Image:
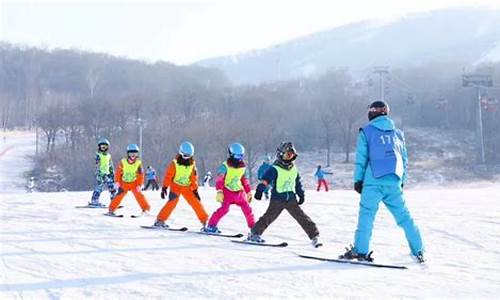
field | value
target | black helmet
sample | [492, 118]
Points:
[377, 108]
[286, 153]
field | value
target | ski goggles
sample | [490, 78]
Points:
[132, 153]
[238, 156]
[186, 156]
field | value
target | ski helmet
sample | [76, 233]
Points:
[186, 149]
[286, 152]
[377, 108]
[103, 141]
[236, 151]
[132, 148]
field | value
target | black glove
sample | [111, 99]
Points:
[163, 192]
[197, 195]
[301, 200]
[358, 186]
[258, 191]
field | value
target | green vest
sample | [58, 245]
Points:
[183, 174]
[232, 181]
[130, 170]
[285, 182]
[104, 163]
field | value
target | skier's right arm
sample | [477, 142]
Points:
[219, 180]
[361, 157]
[169, 175]
[269, 176]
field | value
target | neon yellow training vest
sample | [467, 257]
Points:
[130, 170]
[286, 179]
[232, 181]
[183, 174]
[104, 163]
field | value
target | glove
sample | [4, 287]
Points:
[138, 188]
[197, 195]
[249, 197]
[220, 196]
[301, 200]
[358, 186]
[163, 192]
[258, 192]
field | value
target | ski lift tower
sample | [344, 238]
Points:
[479, 82]
[382, 71]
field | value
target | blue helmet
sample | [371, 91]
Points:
[186, 149]
[132, 148]
[102, 141]
[236, 150]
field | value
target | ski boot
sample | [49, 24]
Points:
[316, 242]
[420, 257]
[252, 237]
[160, 224]
[352, 254]
[211, 229]
[110, 214]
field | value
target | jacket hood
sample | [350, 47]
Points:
[383, 123]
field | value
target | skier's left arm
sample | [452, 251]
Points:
[299, 190]
[404, 155]
[194, 179]
[245, 183]
[140, 176]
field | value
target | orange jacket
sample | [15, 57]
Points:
[168, 179]
[138, 181]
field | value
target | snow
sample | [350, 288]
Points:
[50, 249]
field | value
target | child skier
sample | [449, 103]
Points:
[206, 179]
[182, 179]
[151, 179]
[104, 173]
[130, 177]
[320, 175]
[380, 173]
[286, 184]
[266, 164]
[232, 188]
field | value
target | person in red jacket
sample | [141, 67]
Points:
[129, 177]
[182, 179]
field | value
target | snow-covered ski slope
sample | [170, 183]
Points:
[51, 250]
[16, 147]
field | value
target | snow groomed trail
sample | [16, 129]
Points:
[51, 250]
[16, 147]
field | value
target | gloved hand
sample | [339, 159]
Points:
[249, 197]
[301, 200]
[138, 188]
[220, 196]
[358, 186]
[163, 192]
[116, 186]
[259, 190]
[197, 195]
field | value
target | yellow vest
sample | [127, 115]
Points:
[183, 174]
[130, 170]
[104, 162]
[285, 182]
[232, 181]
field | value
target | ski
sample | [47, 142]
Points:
[279, 245]
[113, 215]
[353, 262]
[135, 216]
[95, 206]
[237, 235]
[168, 228]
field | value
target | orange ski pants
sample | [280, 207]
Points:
[173, 198]
[122, 191]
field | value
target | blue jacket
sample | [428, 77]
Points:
[151, 175]
[320, 174]
[262, 170]
[362, 169]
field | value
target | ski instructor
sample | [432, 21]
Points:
[379, 175]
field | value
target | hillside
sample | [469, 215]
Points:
[466, 35]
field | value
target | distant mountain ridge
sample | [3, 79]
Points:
[462, 34]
